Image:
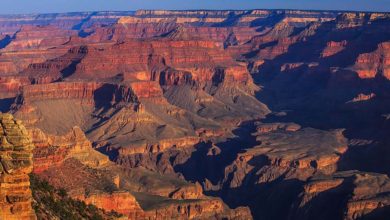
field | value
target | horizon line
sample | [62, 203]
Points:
[265, 9]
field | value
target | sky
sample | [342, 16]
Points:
[49, 6]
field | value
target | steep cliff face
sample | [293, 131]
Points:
[134, 56]
[16, 165]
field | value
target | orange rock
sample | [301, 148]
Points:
[16, 163]
[369, 65]
[363, 97]
[121, 202]
[161, 146]
[333, 48]
[52, 151]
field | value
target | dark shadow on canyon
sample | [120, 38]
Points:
[201, 166]
[5, 41]
[377, 214]
[5, 104]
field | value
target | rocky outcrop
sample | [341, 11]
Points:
[188, 192]
[204, 209]
[363, 97]
[369, 65]
[291, 152]
[270, 127]
[127, 204]
[16, 165]
[52, 151]
[121, 202]
[333, 47]
[148, 90]
[161, 146]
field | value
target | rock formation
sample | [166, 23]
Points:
[16, 165]
[51, 151]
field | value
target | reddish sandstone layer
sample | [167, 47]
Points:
[150, 90]
[90, 93]
[169, 62]
[135, 56]
[74, 90]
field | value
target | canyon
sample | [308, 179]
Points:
[154, 114]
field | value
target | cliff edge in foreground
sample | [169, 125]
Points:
[15, 165]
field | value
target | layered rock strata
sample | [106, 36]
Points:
[16, 165]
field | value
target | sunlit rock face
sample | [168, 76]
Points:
[16, 165]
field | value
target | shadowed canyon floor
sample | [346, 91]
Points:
[258, 114]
